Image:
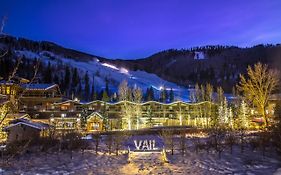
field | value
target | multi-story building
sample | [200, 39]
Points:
[38, 97]
[43, 102]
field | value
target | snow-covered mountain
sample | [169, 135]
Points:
[102, 70]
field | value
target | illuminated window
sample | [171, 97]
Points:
[8, 90]
[63, 115]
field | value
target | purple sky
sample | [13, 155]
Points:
[131, 29]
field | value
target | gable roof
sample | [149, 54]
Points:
[23, 121]
[38, 86]
[95, 114]
[12, 116]
[67, 101]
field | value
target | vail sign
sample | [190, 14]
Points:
[145, 145]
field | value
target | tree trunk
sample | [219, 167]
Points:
[264, 117]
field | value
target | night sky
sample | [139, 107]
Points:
[132, 29]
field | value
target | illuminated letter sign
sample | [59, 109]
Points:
[145, 145]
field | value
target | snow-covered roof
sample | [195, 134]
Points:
[144, 103]
[18, 116]
[38, 86]
[22, 121]
[95, 114]
[67, 101]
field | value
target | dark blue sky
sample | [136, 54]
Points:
[138, 28]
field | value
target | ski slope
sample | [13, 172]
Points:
[115, 75]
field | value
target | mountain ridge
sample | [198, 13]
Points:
[221, 65]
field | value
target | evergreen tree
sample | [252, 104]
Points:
[66, 79]
[220, 95]
[106, 86]
[56, 79]
[75, 78]
[105, 96]
[242, 120]
[163, 95]
[202, 90]
[147, 95]
[87, 86]
[48, 74]
[197, 93]
[152, 93]
[93, 93]
[172, 97]
[209, 92]
[79, 91]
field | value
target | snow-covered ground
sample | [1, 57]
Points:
[249, 162]
[114, 74]
[199, 56]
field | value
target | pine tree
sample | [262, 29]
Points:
[172, 97]
[163, 95]
[220, 95]
[106, 86]
[87, 86]
[209, 92]
[105, 96]
[48, 74]
[75, 77]
[202, 90]
[152, 93]
[147, 95]
[230, 118]
[93, 93]
[66, 79]
[79, 91]
[243, 121]
[197, 93]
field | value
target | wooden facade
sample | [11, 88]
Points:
[43, 103]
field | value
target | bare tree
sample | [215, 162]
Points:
[109, 142]
[3, 22]
[276, 129]
[167, 136]
[230, 140]
[258, 86]
[182, 143]
[97, 138]
[11, 105]
[137, 108]
[125, 96]
[118, 140]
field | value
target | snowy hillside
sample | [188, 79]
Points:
[199, 56]
[114, 74]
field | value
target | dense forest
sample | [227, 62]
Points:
[220, 66]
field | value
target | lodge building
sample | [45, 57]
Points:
[44, 103]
